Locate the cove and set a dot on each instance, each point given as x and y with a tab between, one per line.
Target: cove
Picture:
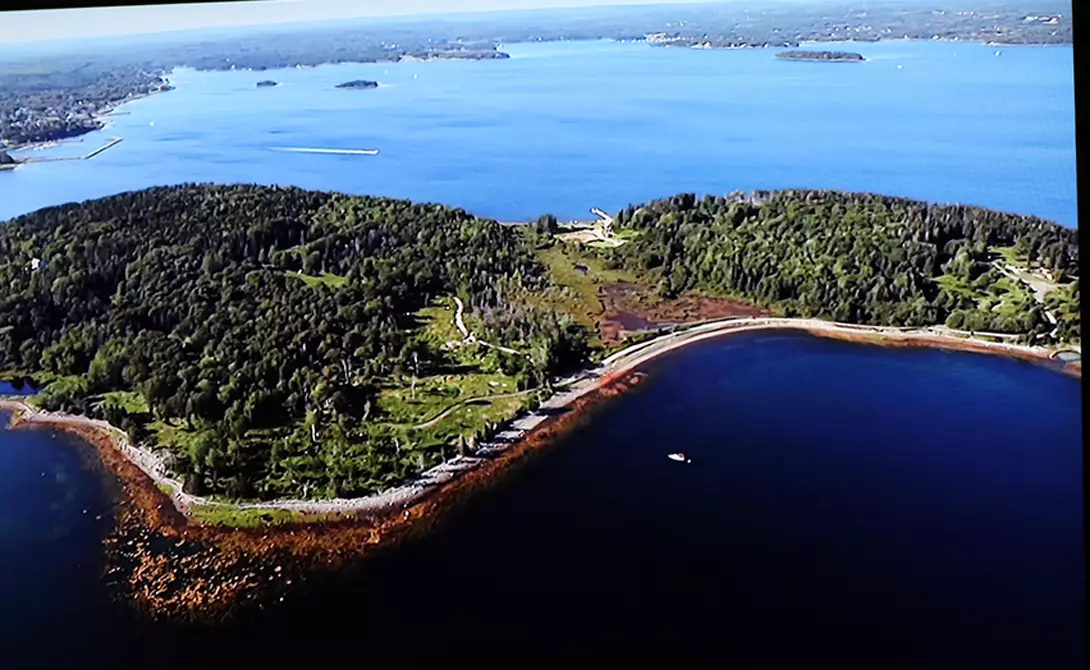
868	506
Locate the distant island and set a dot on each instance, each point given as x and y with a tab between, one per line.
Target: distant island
358	83
266	83
456	54
822	56
67	97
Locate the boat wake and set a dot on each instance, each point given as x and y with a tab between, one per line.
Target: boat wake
350	152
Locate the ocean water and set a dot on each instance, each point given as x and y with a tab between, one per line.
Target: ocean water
563	127
847	506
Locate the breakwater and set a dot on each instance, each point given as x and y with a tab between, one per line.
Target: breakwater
86	157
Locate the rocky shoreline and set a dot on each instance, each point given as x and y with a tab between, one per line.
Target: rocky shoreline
173	567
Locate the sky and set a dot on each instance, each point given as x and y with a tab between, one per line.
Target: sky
65	24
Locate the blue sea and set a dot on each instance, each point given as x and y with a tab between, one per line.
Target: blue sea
566	126
846	506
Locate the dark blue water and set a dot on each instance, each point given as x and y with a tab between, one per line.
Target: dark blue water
54	514
563	127
8	388
847	506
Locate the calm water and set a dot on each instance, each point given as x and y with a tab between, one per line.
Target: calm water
563	127
890	508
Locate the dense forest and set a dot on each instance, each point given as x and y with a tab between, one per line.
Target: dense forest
185	306
265	336
852	257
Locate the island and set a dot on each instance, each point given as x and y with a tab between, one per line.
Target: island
357	84
68	96
821	56
285	381
267	83
455	54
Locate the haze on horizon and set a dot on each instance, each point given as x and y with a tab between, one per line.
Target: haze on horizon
68	24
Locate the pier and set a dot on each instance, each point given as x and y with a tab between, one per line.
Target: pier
114	142
52	159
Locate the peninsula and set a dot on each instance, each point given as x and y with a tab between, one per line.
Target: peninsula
821	56
358	83
186	349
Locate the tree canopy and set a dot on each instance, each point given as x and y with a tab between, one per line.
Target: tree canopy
191	297
851	257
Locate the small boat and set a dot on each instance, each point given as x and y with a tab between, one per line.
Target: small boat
680	457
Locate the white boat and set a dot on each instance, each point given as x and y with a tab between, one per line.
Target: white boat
680	457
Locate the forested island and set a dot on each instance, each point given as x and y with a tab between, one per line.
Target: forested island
457	54
822	56
56	96
358	83
282	343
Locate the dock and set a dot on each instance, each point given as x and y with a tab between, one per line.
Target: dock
52	159
112	143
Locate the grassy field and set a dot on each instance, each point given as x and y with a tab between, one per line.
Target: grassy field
466	375
1008	255
216	515
331	280
438	392
437	321
1006	296
576	293
128	402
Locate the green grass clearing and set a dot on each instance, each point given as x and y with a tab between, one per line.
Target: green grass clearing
234	517
438	392
314	281
576	293
128	402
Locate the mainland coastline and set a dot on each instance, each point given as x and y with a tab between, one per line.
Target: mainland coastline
174	567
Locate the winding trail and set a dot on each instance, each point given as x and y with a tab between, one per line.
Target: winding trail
570	390
469	337
461	403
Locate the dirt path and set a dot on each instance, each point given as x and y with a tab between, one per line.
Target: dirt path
461	403
469	337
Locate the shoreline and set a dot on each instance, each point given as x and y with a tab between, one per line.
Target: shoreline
170	565
612	368
102	118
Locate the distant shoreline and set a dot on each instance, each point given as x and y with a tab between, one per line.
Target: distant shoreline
103	122
103	118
